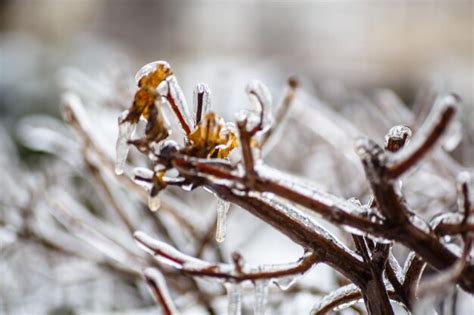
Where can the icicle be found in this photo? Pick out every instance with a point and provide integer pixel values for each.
(234, 297)
(154, 202)
(222, 209)
(125, 132)
(261, 293)
(202, 101)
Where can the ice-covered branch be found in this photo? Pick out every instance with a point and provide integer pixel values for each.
(224, 272)
(157, 284)
(343, 298)
(425, 139)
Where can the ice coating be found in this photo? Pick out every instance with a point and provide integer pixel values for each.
(420, 223)
(397, 137)
(164, 252)
(341, 293)
(222, 210)
(178, 103)
(261, 100)
(201, 101)
(309, 189)
(261, 295)
(453, 136)
(126, 129)
(152, 274)
(234, 297)
(396, 267)
(295, 214)
(149, 68)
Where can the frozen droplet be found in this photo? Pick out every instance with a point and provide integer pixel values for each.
(234, 297)
(201, 101)
(261, 294)
(125, 132)
(222, 210)
(154, 202)
(150, 67)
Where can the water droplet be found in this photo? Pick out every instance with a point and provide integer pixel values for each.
(222, 210)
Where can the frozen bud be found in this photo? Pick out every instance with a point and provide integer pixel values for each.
(397, 137)
(151, 68)
(201, 101)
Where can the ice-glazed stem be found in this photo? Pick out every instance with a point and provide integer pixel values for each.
(157, 285)
(261, 294)
(126, 129)
(222, 210)
(202, 102)
(178, 105)
(234, 296)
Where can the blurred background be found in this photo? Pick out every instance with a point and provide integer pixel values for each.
(343, 52)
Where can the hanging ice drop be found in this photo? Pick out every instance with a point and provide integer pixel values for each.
(222, 209)
(261, 293)
(154, 202)
(234, 297)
